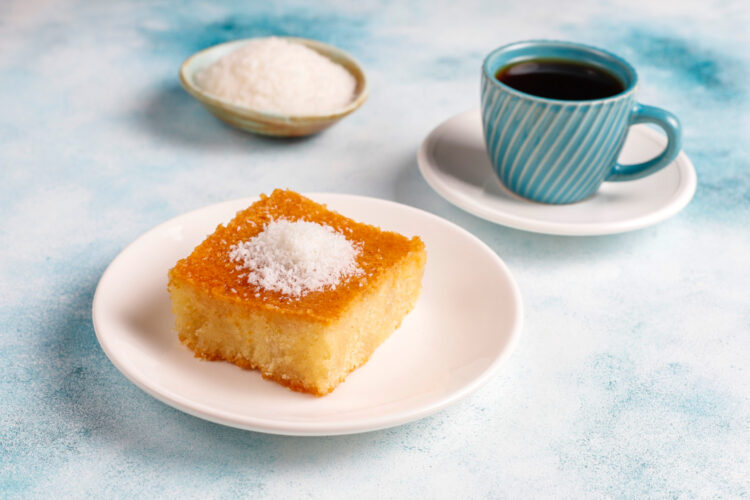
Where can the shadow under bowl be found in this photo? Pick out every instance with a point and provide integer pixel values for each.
(266, 123)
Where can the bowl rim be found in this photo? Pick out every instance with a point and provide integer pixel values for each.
(322, 48)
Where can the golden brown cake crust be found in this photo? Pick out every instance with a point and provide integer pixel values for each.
(210, 267)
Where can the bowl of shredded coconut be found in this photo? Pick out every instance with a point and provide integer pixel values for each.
(281, 86)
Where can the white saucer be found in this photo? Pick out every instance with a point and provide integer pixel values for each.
(454, 163)
(466, 322)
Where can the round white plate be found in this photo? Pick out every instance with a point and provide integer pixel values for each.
(467, 321)
(454, 163)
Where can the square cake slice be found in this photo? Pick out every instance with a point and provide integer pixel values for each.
(296, 291)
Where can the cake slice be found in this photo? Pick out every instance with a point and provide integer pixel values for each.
(296, 291)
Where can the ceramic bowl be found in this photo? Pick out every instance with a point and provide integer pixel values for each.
(263, 122)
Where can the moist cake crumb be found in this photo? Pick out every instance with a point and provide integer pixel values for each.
(296, 257)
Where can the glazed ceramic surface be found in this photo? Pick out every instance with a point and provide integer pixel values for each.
(557, 151)
(466, 322)
(453, 161)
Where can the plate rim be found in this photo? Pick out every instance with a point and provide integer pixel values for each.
(302, 428)
(683, 194)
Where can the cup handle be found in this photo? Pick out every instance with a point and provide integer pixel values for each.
(642, 113)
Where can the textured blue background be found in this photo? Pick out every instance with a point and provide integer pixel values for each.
(631, 377)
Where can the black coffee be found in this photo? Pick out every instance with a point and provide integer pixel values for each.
(560, 79)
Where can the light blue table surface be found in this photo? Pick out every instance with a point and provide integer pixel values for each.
(631, 377)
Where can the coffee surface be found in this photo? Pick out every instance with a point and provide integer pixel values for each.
(560, 79)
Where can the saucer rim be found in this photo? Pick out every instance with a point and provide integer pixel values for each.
(685, 189)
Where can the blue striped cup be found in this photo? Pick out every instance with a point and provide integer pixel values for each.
(558, 151)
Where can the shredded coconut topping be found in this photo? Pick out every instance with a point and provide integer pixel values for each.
(295, 258)
(279, 76)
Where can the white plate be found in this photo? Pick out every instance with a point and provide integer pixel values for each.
(454, 163)
(466, 322)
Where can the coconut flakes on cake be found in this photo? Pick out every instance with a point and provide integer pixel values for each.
(295, 258)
